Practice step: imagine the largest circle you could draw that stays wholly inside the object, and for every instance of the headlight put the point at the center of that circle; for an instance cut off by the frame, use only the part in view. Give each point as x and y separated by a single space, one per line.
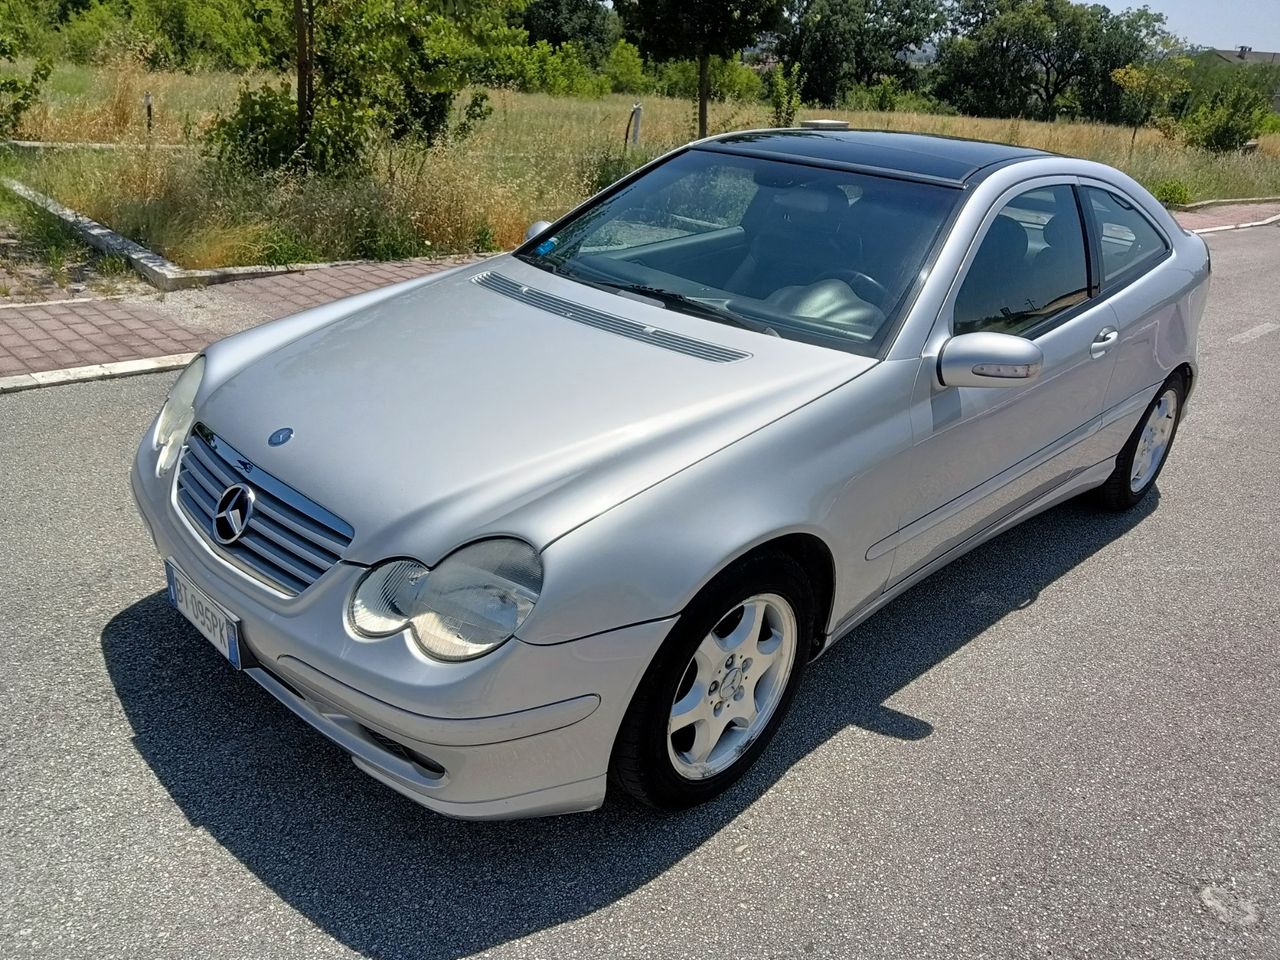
473 602
177 415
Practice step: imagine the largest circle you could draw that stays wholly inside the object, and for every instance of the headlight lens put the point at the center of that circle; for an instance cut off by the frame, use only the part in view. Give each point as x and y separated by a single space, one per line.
177 415
472 603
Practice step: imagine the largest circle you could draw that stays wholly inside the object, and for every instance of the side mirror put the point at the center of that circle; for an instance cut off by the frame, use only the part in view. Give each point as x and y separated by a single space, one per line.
988 360
536 228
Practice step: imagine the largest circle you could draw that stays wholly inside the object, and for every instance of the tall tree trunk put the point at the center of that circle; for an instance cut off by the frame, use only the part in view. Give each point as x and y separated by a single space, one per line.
704 91
302 34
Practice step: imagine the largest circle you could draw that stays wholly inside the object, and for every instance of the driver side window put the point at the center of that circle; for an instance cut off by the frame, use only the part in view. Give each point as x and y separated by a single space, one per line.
1030 266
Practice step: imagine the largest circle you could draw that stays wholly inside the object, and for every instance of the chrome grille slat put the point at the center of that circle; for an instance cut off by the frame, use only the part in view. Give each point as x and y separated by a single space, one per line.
207 501
281 560
290 542
209 460
318 558
204 477
300 523
623 327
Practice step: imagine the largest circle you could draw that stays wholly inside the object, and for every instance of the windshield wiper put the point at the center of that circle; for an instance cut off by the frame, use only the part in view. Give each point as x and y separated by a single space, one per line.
679 301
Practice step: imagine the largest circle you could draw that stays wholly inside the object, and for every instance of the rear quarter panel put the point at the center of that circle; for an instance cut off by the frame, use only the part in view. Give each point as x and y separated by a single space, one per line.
1158 316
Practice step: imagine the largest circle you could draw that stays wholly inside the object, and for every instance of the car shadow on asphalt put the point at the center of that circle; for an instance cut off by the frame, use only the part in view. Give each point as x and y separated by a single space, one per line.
391 880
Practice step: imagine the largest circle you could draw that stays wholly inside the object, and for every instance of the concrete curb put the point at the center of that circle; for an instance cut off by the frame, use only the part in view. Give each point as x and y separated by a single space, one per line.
1206 204
36 146
1239 226
94 371
27 304
155 269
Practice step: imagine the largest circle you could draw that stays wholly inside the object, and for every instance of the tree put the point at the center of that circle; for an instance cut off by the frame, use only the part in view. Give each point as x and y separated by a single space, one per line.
698 30
984 68
839 43
1150 87
1119 39
588 23
1057 37
1228 120
16 93
1041 57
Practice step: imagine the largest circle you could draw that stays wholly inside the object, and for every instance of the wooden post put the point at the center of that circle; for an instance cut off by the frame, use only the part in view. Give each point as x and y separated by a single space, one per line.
302 16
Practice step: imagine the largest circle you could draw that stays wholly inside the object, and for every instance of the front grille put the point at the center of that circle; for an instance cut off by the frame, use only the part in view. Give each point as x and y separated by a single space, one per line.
290 540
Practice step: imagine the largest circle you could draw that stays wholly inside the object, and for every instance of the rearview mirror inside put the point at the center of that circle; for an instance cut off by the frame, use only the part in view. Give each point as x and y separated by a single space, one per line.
536 228
988 360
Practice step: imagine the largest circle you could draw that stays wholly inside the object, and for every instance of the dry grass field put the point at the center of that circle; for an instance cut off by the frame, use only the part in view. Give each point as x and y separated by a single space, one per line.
535 157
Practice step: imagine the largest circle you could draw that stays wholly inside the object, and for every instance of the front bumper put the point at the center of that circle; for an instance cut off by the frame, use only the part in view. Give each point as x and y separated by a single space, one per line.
524 731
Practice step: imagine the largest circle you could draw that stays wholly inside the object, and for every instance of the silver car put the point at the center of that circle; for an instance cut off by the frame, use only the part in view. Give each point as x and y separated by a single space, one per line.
580 515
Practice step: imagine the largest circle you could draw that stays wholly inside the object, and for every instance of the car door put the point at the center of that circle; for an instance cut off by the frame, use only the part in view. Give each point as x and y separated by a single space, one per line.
980 453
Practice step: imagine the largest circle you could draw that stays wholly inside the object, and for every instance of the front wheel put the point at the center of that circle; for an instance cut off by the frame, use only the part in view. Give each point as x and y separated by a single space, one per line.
1145 453
719 686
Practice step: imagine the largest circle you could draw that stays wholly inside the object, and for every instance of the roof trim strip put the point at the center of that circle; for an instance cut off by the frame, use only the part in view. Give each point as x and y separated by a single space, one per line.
870 170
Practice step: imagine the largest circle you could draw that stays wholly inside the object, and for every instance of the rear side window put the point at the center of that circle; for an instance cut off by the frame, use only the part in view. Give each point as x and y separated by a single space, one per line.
1130 244
1030 266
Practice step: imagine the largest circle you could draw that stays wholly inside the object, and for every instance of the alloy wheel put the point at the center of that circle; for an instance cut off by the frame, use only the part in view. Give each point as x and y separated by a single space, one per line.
732 686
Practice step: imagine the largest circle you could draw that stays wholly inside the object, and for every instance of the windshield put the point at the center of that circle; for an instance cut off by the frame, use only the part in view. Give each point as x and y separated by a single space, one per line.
809 253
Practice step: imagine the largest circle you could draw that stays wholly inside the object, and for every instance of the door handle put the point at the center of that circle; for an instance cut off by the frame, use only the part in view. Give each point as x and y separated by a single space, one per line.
1104 341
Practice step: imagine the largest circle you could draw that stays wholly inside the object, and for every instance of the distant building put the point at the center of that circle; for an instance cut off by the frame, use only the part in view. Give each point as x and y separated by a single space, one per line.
1248 56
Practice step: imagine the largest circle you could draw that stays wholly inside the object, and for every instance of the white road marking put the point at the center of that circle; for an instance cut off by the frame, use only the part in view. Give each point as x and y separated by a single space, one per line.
1253 333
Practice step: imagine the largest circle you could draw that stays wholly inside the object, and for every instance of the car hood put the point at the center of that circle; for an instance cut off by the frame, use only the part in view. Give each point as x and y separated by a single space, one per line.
450 411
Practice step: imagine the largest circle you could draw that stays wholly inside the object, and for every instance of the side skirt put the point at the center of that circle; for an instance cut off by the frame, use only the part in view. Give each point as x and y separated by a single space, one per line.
1086 479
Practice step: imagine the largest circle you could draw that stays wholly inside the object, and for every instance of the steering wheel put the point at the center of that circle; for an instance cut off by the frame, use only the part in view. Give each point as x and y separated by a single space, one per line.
861 283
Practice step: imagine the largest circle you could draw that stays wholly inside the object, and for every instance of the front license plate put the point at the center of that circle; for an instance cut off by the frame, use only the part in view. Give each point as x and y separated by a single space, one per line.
218 627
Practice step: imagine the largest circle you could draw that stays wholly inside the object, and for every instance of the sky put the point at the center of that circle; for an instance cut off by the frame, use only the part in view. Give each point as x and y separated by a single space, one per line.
1218 23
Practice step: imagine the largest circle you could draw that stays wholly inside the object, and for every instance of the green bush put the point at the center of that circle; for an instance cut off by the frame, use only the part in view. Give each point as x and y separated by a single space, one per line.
888 95
1172 193
261 131
784 94
186 34
1270 124
560 71
625 69
1231 118
731 79
99 32
17 95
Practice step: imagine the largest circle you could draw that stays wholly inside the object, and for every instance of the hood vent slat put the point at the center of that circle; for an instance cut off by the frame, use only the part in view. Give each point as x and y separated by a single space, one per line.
608 322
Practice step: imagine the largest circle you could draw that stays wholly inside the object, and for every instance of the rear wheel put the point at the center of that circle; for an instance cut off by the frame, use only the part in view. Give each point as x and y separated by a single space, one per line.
719 686
1145 453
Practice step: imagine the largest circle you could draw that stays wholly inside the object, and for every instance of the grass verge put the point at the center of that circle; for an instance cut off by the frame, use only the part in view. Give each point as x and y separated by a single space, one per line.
536 157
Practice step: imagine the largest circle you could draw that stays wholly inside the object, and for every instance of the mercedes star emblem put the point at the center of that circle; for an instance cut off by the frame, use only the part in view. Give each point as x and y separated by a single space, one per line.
232 516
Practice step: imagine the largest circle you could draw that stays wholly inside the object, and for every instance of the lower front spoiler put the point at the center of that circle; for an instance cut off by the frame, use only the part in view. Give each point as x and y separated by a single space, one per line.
421 776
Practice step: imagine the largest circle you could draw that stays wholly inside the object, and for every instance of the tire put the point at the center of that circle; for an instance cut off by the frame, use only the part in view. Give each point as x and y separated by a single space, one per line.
744 615
1134 476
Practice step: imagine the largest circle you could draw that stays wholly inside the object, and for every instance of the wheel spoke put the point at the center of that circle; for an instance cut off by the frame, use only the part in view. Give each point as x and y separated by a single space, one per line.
747 629
744 712
706 734
694 705
690 708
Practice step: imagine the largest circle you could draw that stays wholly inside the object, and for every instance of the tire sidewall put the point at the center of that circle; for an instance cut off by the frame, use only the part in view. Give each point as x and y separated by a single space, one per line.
1124 465
649 713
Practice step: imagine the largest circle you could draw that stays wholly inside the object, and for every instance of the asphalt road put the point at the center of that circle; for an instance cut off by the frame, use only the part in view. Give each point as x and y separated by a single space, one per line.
1066 745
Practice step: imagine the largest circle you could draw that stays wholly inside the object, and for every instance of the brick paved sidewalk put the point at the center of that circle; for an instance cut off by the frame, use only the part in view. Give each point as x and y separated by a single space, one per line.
38 337
53 336
1209 218
35 338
